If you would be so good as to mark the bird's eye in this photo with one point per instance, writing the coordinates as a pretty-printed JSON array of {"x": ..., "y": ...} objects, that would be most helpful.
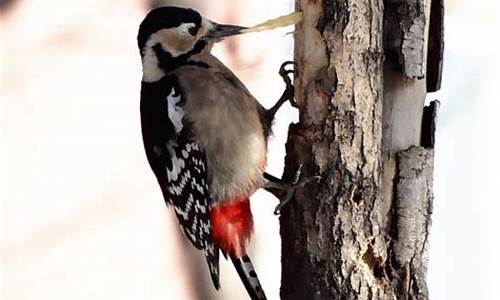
[{"x": 193, "y": 30}]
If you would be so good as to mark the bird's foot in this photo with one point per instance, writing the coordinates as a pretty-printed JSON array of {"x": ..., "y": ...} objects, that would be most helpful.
[
  {"x": 289, "y": 89},
  {"x": 285, "y": 74},
  {"x": 283, "y": 190}
]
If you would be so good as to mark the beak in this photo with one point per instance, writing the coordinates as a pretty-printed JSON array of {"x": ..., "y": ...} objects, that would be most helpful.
[{"x": 220, "y": 31}]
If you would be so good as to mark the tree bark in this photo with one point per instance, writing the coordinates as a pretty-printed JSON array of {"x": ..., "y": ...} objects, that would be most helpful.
[{"x": 361, "y": 231}]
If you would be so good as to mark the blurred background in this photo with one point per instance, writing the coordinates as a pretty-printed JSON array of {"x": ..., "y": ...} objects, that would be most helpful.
[{"x": 82, "y": 216}]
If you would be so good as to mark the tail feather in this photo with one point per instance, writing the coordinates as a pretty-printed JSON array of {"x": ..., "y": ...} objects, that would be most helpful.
[
  {"x": 212, "y": 257},
  {"x": 248, "y": 276}
]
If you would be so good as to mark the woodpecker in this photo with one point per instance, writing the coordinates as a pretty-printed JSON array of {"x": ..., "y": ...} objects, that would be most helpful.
[{"x": 205, "y": 135}]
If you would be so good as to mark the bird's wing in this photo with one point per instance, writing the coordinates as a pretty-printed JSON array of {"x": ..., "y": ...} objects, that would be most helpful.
[
  {"x": 181, "y": 167},
  {"x": 187, "y": 179}
]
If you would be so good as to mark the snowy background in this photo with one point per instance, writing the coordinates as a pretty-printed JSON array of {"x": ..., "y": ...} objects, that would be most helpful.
[{"x": 81, "y": 214}]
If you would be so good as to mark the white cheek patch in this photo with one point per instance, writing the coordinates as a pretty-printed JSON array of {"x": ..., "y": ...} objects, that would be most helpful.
[
  {"x": 150, "y": 70},
  {"x": 175, "y": 41}
]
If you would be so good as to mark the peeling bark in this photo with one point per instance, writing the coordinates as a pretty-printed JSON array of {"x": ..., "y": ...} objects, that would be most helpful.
[
  {"x": 404, "y": 27},
  {"x": 361, "y": 231},
  {"x": 412, "y": 213},
  {"x": 436, "y": 46}
]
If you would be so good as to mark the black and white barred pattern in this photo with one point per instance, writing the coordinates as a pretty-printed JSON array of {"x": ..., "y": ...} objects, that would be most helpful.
[
  {"x": 187, "y": 186},
  {"x": 248, "y": 276}
]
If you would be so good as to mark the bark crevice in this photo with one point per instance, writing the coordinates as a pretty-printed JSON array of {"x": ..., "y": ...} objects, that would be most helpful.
[{"x": 360, "y": 129}]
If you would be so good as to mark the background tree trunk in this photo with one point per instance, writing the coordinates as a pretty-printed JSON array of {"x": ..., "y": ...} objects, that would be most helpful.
[{"x": 361, "y": 231}]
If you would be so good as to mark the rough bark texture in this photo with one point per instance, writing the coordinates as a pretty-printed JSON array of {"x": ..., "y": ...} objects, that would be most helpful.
[
  {"x": 361, "y": 231},
  {"x": 412, "y": 211},
  {"x": 404, "y": 27}
]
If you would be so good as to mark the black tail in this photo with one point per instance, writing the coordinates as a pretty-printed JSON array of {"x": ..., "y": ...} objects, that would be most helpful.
[
  {"x": 212, "y": 256},
  {"x": 248, "y": 276}
]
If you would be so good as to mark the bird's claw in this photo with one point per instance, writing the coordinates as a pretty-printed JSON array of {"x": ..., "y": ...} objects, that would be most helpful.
[
  {"x": 290, "y": 189},
  {"x": 285, "y": 74}
]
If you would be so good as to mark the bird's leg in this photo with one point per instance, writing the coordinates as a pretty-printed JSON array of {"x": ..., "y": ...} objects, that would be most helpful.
[
  {"x": 289, "y": 90},
  {"x": 284, "y": 190}
]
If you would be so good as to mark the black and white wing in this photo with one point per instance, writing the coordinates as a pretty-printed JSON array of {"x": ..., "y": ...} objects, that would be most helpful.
[
  {"x": 188, "y": 190},
  {"x": 180, "y": 166}
]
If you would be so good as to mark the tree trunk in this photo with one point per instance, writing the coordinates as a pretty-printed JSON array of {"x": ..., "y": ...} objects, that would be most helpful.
[{"x": 360, "y": 232}]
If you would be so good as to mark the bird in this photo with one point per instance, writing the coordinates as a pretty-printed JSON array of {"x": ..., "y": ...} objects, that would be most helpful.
[{"x": 205, "y": 135}]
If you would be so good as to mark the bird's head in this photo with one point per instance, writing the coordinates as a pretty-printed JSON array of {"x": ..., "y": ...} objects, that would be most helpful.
[{"x": 170, "y": 35}]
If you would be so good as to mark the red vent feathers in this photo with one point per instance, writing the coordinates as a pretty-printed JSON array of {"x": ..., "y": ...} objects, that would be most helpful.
[{"x": 232, "y": 225}]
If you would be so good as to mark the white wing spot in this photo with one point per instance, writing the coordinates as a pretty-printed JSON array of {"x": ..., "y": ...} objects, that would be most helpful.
[
  {"x": 177, "y": 164},
  {"x": 175, "y": 112},
  {"x": 195, "y": 185}
]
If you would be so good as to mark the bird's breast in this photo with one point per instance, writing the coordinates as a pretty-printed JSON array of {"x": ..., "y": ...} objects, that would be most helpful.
[
  {"x": 228, "y": 126},
  {"x": 236, "y": 160}
]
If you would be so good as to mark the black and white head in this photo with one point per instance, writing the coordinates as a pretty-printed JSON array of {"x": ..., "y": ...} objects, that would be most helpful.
[{"x": 169, "y": 35}]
